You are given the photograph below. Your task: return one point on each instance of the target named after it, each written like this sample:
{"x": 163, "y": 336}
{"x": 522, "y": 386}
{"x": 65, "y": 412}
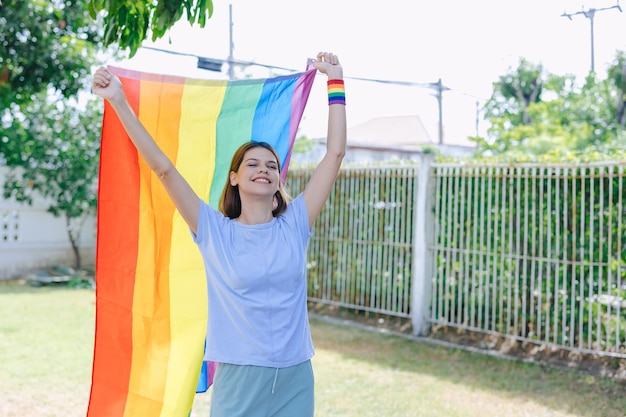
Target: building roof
{"x": 393, "y": 132}
{"x": 389, "y": 137}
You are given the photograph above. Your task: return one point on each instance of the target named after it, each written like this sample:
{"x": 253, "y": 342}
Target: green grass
{"x": 46, "y": 347}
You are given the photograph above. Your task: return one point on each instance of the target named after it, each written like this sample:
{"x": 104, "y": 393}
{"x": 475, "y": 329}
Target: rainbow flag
{"x": 151, "y": 304}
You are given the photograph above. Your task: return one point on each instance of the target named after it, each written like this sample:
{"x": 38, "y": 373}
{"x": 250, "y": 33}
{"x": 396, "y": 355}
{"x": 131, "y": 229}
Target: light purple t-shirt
{"x": 256, "y": 281}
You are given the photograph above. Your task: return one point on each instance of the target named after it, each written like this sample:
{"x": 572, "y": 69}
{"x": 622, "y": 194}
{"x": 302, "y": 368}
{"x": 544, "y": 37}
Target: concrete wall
{"x": 32, "y": 239}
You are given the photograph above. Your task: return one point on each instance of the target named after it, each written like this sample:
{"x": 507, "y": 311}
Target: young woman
{"x": 254, "y": 250}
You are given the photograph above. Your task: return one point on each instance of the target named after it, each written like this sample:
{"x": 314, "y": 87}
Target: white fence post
{"x": 421, "y": 284}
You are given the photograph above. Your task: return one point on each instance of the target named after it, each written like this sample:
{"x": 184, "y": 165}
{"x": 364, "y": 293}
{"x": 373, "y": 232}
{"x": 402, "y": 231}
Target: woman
{"x": 254, "y": 251}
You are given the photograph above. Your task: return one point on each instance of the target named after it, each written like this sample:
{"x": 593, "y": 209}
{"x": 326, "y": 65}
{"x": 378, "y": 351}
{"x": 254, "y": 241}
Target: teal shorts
{"x": 257, "y": 391}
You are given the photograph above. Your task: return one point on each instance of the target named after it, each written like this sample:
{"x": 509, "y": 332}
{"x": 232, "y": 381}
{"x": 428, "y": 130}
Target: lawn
{"x": 46, "y": 342}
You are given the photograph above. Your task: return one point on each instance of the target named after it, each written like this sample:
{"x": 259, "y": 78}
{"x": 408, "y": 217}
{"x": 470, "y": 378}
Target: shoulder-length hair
{"x": 230, "y": 200}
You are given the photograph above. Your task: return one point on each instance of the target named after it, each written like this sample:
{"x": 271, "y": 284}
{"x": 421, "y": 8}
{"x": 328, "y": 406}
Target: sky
{"x": 467, "y": 44}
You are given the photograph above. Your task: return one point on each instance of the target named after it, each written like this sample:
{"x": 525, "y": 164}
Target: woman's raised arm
{"x": 108, "y": 86}
{"x": 318, "y": 188}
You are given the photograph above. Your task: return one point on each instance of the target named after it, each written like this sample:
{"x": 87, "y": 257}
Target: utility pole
{"x": 437, "y": 86}
{"x": 590, "y": 14}
{"x": 439, "y": 95}
{"x": 231, "y": 46}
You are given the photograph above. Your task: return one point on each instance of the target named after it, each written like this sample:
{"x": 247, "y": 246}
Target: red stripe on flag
{"x": 115, "y": 266}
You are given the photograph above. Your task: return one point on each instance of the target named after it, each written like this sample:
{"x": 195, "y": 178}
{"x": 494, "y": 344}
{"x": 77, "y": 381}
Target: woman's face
{"x": 258, "y": 173}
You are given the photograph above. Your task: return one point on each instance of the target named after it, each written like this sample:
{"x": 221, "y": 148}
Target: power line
{"x": 432, "y": 85}
{"x": 215, "y": 64}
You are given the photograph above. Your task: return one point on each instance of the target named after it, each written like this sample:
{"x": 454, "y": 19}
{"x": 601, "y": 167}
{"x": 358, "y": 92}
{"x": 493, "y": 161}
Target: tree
{"x": 519, "y": 89}
{"x": 54, "y": 153}
{"x": 47, "y": 140}
{"x": 303, "y": 144}
{"x": 44, "y": 45}
{"x": 510, "y": 108}
{"x": 126, "y": 22}
{"x": 532, "y": 112}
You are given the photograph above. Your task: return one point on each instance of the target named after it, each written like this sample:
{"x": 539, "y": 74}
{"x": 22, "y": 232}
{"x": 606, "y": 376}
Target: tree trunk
{"x": 527, "y": 101}
{"x": 74, "y": 242}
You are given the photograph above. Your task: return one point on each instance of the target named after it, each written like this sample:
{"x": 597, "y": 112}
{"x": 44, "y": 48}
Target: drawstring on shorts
{"x": 275, "y": 378}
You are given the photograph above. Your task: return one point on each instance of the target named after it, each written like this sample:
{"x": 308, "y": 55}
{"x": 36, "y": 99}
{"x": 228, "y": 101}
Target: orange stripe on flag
{"x": 159, "y": 111}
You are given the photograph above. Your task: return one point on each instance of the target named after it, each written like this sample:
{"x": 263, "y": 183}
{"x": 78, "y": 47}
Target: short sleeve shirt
{"x": 257, "y": 290}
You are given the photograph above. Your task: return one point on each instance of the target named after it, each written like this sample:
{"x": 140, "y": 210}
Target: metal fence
{"x": 534, "y": 253}
{"x": 360, "y": 254}
{"x": 537, "y": 253}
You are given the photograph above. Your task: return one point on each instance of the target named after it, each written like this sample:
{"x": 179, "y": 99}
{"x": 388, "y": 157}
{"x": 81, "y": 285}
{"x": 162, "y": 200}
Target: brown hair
{"x": 230, "y": 201}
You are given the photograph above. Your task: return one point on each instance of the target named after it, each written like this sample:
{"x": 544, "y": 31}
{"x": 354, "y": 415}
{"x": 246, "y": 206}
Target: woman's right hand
{"x": 105, "y": 84}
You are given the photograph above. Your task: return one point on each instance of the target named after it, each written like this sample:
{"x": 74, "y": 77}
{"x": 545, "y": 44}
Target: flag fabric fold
{"x": 151, "y": 304}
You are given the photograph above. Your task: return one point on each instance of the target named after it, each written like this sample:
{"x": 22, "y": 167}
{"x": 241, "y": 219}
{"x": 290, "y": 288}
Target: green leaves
{"x": 533, "y": 112}
{"x": 44, "y": 44}
{"x": 52, "y": 151}
{"x": 127, "y": 21}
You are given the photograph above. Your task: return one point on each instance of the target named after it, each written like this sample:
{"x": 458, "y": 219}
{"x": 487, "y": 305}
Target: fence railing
{"x": 534, "y": 253}
{"x": 360, "y": 254}
{"x": 537, "y": 253}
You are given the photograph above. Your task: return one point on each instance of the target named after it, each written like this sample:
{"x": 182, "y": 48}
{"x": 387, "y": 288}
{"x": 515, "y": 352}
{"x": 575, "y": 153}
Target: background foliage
{"x": 54, "y": 153}
{"x": 128, "y": 22}
{"x": 537, "y": 252}
{"x": 533, "y": 112}
{"x": 44, "y": 46}
{"x": 49, "y": 132}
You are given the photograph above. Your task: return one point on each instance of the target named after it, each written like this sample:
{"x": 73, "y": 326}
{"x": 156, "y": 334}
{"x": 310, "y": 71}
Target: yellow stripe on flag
{"x": 200, "y": 107}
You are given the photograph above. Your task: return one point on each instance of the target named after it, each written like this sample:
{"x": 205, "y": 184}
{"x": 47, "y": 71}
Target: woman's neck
{"x": 255, "y": 212}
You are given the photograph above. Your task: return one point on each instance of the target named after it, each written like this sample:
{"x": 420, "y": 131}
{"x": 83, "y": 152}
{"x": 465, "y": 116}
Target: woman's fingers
{"x": 102, "y": 77}
{"x": 328, "y": 57}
